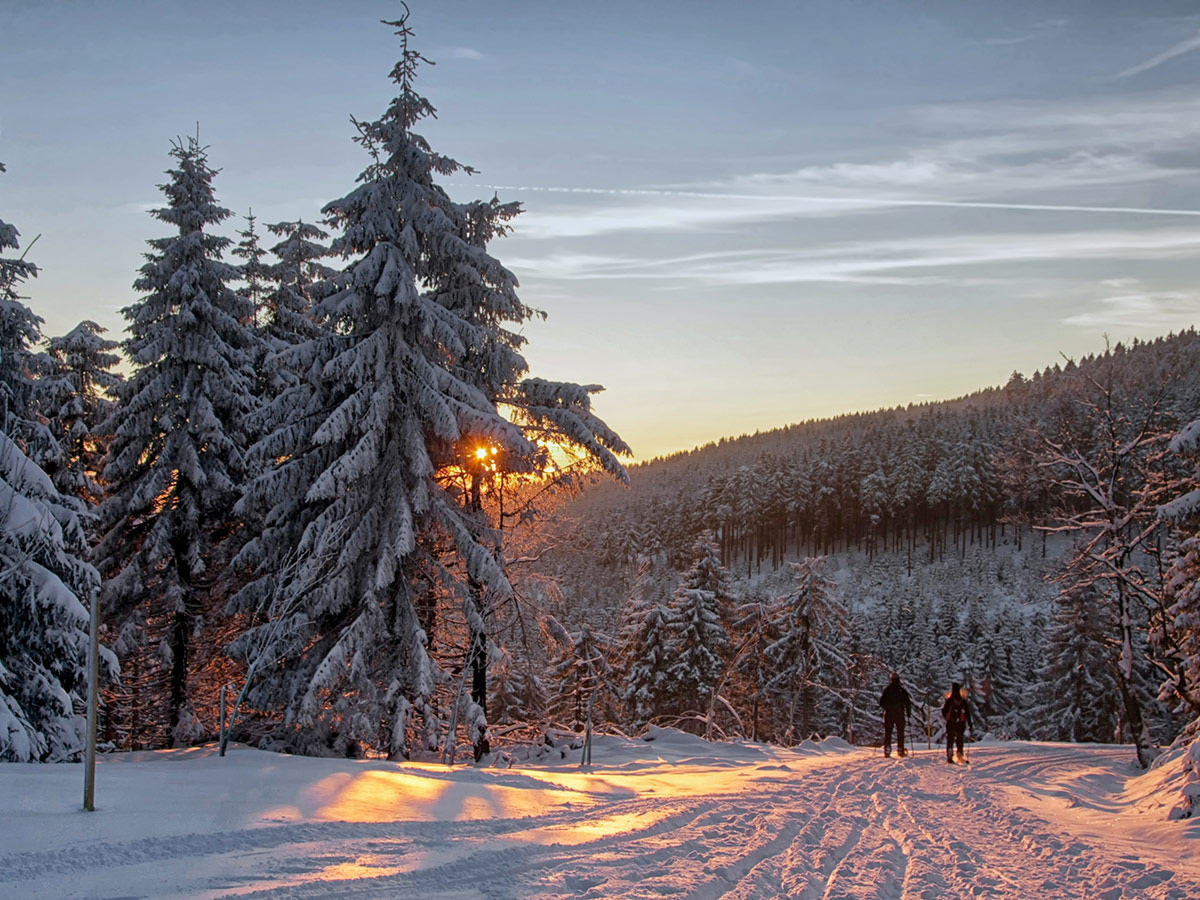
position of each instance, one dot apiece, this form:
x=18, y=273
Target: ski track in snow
x=856, y=826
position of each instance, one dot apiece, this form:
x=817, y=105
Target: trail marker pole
x=89, y=771
x=586, y=757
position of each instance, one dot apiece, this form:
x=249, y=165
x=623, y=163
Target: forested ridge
x=944, y=476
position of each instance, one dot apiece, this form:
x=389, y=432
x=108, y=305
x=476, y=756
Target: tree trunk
x=178, y=681
x=1138, y=728
x=1137, y=725
x=479, y=692
x=180, y=637
x=478, y=660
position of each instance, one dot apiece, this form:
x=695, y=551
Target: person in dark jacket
x=957, y=714
x=897, y=706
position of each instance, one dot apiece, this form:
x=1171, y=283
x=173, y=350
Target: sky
x=736, y=216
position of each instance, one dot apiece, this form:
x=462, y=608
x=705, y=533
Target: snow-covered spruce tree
x=1027, y=655
x=402, y=386
x=77, y=398
x=699, y=640
x=582, y=673
x=176, y=460
x=791, y=658
x=20, y=366
x=284, y=317
x=808, y=662
x=548, y=413
x=254, y=272
x=1079, y=690
x=1180, y=629
x=518, y=695
x=750, y=673
x=255, y=283
x=13, y=270
x=20, y=329
x=43, y=625
x=488, y=304
x=645, y=648
x=921, y=661
x=1001, y=690
x=1183, y=593
x=297, y=281
x=284, y=313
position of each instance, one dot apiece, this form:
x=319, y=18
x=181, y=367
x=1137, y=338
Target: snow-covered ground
x=672, y=817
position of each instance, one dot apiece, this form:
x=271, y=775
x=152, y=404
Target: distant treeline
x=935, y=478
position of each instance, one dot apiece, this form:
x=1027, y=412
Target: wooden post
x=89, y=771
x=221, y=737
x=586, y=757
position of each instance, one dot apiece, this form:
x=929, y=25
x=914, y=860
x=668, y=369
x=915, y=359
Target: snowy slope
x=674, y=817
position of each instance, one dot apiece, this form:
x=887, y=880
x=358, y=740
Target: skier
x=897, y=706
x=957, y=714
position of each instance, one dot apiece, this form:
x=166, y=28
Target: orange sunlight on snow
x=373, y=796
x=363, y=867
x=430, y=792
x=423, y=793
x=582, y=832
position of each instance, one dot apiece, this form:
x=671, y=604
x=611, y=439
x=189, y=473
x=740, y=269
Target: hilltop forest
x=1013, y=540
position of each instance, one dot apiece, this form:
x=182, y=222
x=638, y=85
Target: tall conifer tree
x=43, y=624
x=645, y=647
x=176, y=461
x=298, y=281
x=699, y=640
x=79, y=395
x=808, y=660
x=254, y=271
x=20, y=331
x=1079, y=681
x=417, y=352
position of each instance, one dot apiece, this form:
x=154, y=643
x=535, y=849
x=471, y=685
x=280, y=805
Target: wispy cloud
x=1038, y=157
x=1015, y=148
x=1036, y=31
x=1185, y=46
x=1165, y=310
x=892, y=260
x=615, y=211
x=872, y=222
x=973, y=169
x=928, y=260
x=466, y=53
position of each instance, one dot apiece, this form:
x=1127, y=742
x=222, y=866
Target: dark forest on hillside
x=958, y=540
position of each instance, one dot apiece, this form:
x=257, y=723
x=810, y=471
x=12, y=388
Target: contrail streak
x=851, y=201
x=1170, y=53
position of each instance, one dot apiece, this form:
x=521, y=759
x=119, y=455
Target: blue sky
x=738, y=216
